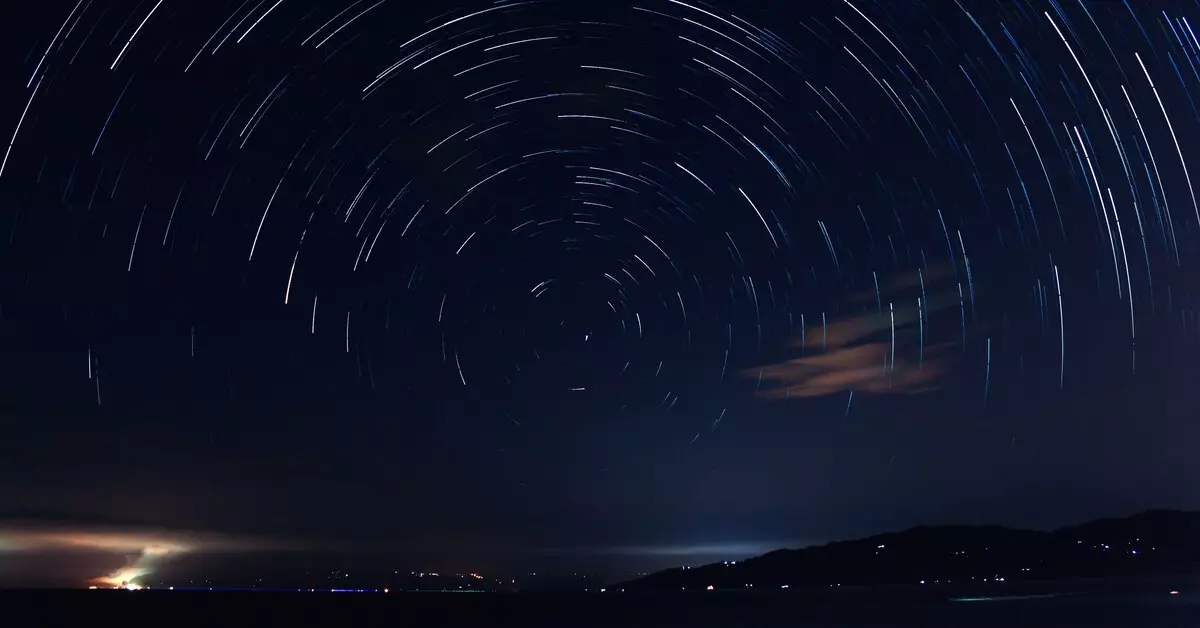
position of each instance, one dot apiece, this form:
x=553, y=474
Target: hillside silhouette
x=1152, y=543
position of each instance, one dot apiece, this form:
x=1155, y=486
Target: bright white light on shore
x=130, y=586
x=143, y=549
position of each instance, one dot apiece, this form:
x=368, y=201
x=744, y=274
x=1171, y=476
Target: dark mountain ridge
x=1156, y=542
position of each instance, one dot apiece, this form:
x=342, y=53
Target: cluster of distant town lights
x=134, y=587
x=130, y=586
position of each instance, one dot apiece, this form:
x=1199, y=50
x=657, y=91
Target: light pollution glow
x=144, y=549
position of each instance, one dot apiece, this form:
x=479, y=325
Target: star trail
x=575, y=261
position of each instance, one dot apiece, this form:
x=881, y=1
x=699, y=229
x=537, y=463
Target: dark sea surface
x=1146, y=609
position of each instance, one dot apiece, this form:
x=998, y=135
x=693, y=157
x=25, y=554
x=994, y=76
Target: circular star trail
x=502, y=219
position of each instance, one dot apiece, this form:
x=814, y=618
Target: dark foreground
x=1095, y=609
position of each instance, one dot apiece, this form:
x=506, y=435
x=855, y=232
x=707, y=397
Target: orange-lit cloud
x=878, y=351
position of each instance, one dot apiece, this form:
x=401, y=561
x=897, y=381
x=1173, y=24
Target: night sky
x=657, y=280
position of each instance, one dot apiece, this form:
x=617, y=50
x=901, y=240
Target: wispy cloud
x=883, y=348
